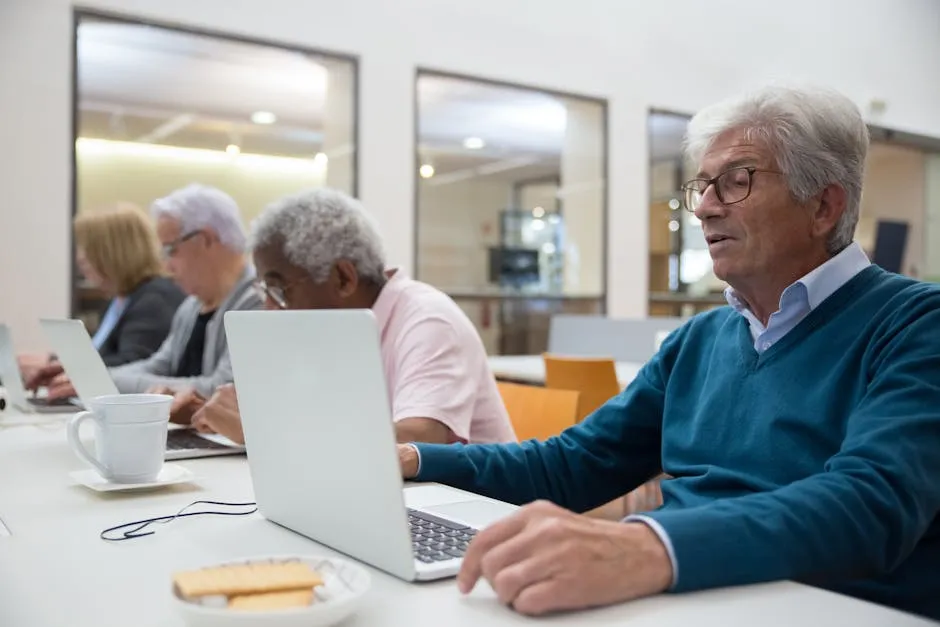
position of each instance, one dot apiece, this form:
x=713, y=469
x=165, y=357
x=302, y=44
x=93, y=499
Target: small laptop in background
x=16, y=393
x=321, y=445
x=89, y=376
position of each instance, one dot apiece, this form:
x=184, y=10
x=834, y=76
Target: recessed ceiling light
x=321, y=159
x=473, y=143
x=233, y=150
x=538, y=212
x=426, y=171
x=263, y=117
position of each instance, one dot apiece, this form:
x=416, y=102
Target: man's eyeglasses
x=170, y=249
x=731, y=186
x=277, y=293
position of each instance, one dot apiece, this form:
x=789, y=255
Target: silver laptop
x=321, y=445
x=16, y=393
x=89, y=375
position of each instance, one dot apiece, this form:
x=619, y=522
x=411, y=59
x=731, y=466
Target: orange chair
x=537, y=412
x=595, y=378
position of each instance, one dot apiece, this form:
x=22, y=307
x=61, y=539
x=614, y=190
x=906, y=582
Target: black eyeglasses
x=170, y=249
x=133, y=530
x=731, y=186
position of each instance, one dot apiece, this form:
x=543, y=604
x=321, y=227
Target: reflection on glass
x=160, y=108
x=681, y=279
x=511, y=203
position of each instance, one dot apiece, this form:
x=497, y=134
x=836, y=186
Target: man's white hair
x=317, y=228
x=817, y=136
x=198, y=207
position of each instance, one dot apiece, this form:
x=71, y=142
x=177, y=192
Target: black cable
x=138, y=526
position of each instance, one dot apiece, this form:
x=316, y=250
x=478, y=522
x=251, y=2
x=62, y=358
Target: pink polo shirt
x=435, y=363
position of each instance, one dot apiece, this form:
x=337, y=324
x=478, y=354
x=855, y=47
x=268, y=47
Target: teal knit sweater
x=817, y=460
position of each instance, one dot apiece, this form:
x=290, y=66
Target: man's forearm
x=423, y=430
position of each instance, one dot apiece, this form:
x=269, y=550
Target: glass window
x=159, y=108
x=511, y=204
x=681, y=281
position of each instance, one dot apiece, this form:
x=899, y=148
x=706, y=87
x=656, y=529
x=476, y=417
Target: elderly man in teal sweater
x=800, y=425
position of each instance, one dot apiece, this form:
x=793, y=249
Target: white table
x=55, y=571
x=531, y=369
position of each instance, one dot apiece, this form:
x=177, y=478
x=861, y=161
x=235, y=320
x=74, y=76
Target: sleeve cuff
x=418, y=454
x=657, y=529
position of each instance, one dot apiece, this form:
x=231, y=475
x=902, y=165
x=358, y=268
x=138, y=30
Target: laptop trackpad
x=476, y=513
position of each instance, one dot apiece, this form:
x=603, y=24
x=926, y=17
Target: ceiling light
x=233, y=150
x=674, y=204
x=321, y=159
x=548, y=248
x=426, y=171
x=473, y=143
x=673, y=225
x=263, y=117
x=538, y=225
x=538, y=212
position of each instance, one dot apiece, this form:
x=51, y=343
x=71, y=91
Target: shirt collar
x=388, y=296
x=821, y=282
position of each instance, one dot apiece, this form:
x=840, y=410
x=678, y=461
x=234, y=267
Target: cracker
x=272, y=600
x=242, y=579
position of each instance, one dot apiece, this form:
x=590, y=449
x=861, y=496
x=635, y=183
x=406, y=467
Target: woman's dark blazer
x=144, y=324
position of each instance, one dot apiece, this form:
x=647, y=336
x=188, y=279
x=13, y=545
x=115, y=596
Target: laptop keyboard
x=437, y=539
x=45, y=402
x=187, y=440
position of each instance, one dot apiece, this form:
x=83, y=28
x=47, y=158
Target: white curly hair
x=817, y=136
x=198, y=207
x=317, y=228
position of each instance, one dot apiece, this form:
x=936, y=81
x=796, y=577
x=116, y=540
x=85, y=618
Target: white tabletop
x=54, y=570
x=531, y=369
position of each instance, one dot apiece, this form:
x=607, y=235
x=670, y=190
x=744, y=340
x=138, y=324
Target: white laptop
x=321, y=445
x=16, y=393
x=89, y=375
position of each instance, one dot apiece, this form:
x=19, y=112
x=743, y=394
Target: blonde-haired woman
x=117, y=251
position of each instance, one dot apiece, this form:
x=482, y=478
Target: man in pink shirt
x=321, y=250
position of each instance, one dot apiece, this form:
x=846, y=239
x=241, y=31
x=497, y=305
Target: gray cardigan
x=158, y=369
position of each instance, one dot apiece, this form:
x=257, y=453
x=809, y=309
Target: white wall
x=670, y=54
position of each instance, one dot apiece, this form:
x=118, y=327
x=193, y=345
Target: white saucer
x=169, y=475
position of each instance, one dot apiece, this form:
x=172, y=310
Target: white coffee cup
x=130, y=436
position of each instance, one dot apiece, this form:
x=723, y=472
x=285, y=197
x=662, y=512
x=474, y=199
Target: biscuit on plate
x=272, y=600
x=244, y=579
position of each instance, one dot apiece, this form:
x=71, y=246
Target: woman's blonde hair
x=121, y=244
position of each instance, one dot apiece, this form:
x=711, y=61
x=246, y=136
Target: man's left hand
x=544, y=558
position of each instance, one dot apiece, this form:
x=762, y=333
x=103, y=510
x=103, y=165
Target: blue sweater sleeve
x=611, y=452
x=868, y=509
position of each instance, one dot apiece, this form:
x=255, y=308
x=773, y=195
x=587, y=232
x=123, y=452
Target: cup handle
x=77, y=445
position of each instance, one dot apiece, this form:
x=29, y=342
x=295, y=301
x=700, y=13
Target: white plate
x=344, y=585
x=169, y=475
